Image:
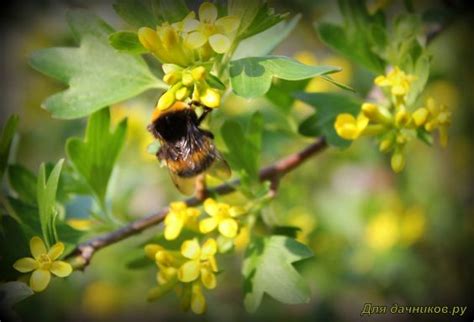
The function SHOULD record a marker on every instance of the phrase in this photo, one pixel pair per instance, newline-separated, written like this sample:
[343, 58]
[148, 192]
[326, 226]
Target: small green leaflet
[268, 268]
[252, 76]
[126, 41]
[265, 42]
[355, 40]
[244, 147]
[150, 13]
[12, 293]
[98, 75]
[328, 106]
[94, 158]
[6, 139]
[46, 199]
[23, 182]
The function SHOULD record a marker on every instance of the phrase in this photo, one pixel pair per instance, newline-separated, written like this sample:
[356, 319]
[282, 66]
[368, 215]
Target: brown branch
[83, 253]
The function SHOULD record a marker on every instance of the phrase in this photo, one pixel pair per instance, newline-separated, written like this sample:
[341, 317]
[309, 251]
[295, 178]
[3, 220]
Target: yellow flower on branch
[209, 30]
[42, 264]
[200, 262]
[222, 216]
[179, 216]
[350, 128]
[434, 116]
[398, 81]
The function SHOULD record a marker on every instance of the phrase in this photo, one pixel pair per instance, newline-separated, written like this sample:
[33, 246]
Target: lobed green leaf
[98, 75]
[252, 76]
[268, 268]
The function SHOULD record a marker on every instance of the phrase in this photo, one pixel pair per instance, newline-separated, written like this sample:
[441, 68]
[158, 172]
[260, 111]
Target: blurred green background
[377, 237]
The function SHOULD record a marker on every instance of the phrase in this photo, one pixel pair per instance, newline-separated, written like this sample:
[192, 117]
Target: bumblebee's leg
[207, 133]
[203, 115]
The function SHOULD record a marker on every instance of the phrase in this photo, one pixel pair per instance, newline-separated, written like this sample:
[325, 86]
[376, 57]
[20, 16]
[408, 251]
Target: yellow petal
[382, 81]
[178, 206]
[61, 269]
[191, 249]
[208, 278]
[149, 38]
[228, 227]
[190, 25]
[399, 90]
[39, 280]
[37, 247]
[151, 250]
[172, 227]
[195, 40]
[207, 12]
[237, 211]
[420, 116]
[55, 251]
[213, 263]
[207, 225]
[25, 265]
[219, 43]
[228, 24]
[209, 248]
[362, 122]
[189, 271]
[198, 302]
[211, 207]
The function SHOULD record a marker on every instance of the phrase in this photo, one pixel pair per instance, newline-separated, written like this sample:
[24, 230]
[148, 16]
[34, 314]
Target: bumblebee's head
[173, 123]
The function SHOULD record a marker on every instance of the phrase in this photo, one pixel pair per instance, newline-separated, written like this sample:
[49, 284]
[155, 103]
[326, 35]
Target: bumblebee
[186, 149]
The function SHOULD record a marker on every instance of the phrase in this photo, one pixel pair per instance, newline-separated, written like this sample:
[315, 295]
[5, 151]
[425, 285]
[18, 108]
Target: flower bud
[398, 161]
[386, 145]
[166, 100]
[172, 78]
[402, 117]
[420, 116]
[211, 98]
[182, 93]
[187, 78]
[199, 73]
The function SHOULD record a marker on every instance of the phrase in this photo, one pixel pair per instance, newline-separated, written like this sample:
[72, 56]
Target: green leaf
[246, 10]
[252, 76]
[13, 292]
[265, 42]
[268, 268]
[244, 146]
[97, 74]
[281, 93]
[46, 199]
[23, 181]
[171, 10]
[138, 13]
[127, 41]
[29, 217]
[354, 39]
[328, 106]
[95, 156]
[263, 20]
[6, 139]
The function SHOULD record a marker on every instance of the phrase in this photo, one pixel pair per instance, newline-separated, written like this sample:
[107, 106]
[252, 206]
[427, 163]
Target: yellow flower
[383, 231]
[222, 217]
[179, 216]
[218, 33]
[43, 264]
[201, 262]
[438, 117]
[398, 80]
[350, 128]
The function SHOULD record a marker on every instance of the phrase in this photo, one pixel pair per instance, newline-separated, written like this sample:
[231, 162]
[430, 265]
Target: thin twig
[83, 253]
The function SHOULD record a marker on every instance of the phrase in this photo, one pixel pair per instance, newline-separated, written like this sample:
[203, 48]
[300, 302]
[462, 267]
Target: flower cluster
[194, 265]
[392, 123]
[42, 264]
[184, 46]
[185, 272]
[188, 83]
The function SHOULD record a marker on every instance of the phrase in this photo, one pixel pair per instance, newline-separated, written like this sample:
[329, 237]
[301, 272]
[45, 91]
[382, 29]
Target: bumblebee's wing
[184, 185]
[220, 169]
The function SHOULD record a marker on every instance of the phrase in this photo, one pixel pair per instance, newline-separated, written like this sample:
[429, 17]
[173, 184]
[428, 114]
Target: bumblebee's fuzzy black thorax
[186, 149]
